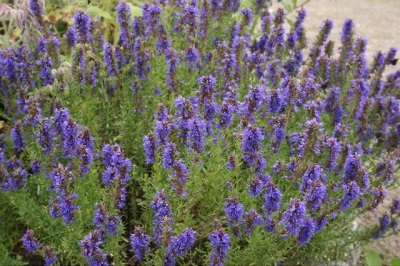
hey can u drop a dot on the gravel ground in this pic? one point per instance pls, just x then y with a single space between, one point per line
379 22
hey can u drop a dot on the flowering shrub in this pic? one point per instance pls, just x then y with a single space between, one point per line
192 141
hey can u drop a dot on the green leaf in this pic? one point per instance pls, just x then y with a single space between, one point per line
136 11
395 262
294 3
96 11
373 259
288 7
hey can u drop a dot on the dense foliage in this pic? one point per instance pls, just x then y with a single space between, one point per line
194 140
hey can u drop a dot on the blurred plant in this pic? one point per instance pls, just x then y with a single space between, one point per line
18 24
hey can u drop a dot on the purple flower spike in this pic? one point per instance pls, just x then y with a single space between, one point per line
36 8
124 19
162 216
29 242
251 219
17 137
220 242
179 246
82 24
139 243
272 200
351 193
50 256
234 210
149 148
306 231
384 225
251 139
91 248
293 218
395 208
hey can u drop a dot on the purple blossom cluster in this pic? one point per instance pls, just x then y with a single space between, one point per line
179 246
117 173
139 242
220 242
162 220
29 242
91 248
104 221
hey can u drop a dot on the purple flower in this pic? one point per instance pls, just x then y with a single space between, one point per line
272 200
29 242
149 148
247 16
231 164
82 24
188 19
234 210
45 136
351 193
36 8
139 243
380 194
181 174
204 20
60 116
206 87
71 36
278 133
180 245
17 136
335 147
117 166
99 216
151 17
226 115
395 208
314 173
305 233
50 256
91 248
192 57
196 134
254 100
320 223
220 242
60 178
162 216
163 42
64 206
294 217
384 226
162 131
255 187
110 60
269 224
169 155
35 166
103 220
251 139
141 65
347 31
124 20
316 196
33 113
69 134
250 220
352 167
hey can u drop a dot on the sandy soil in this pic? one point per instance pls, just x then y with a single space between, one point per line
379 22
